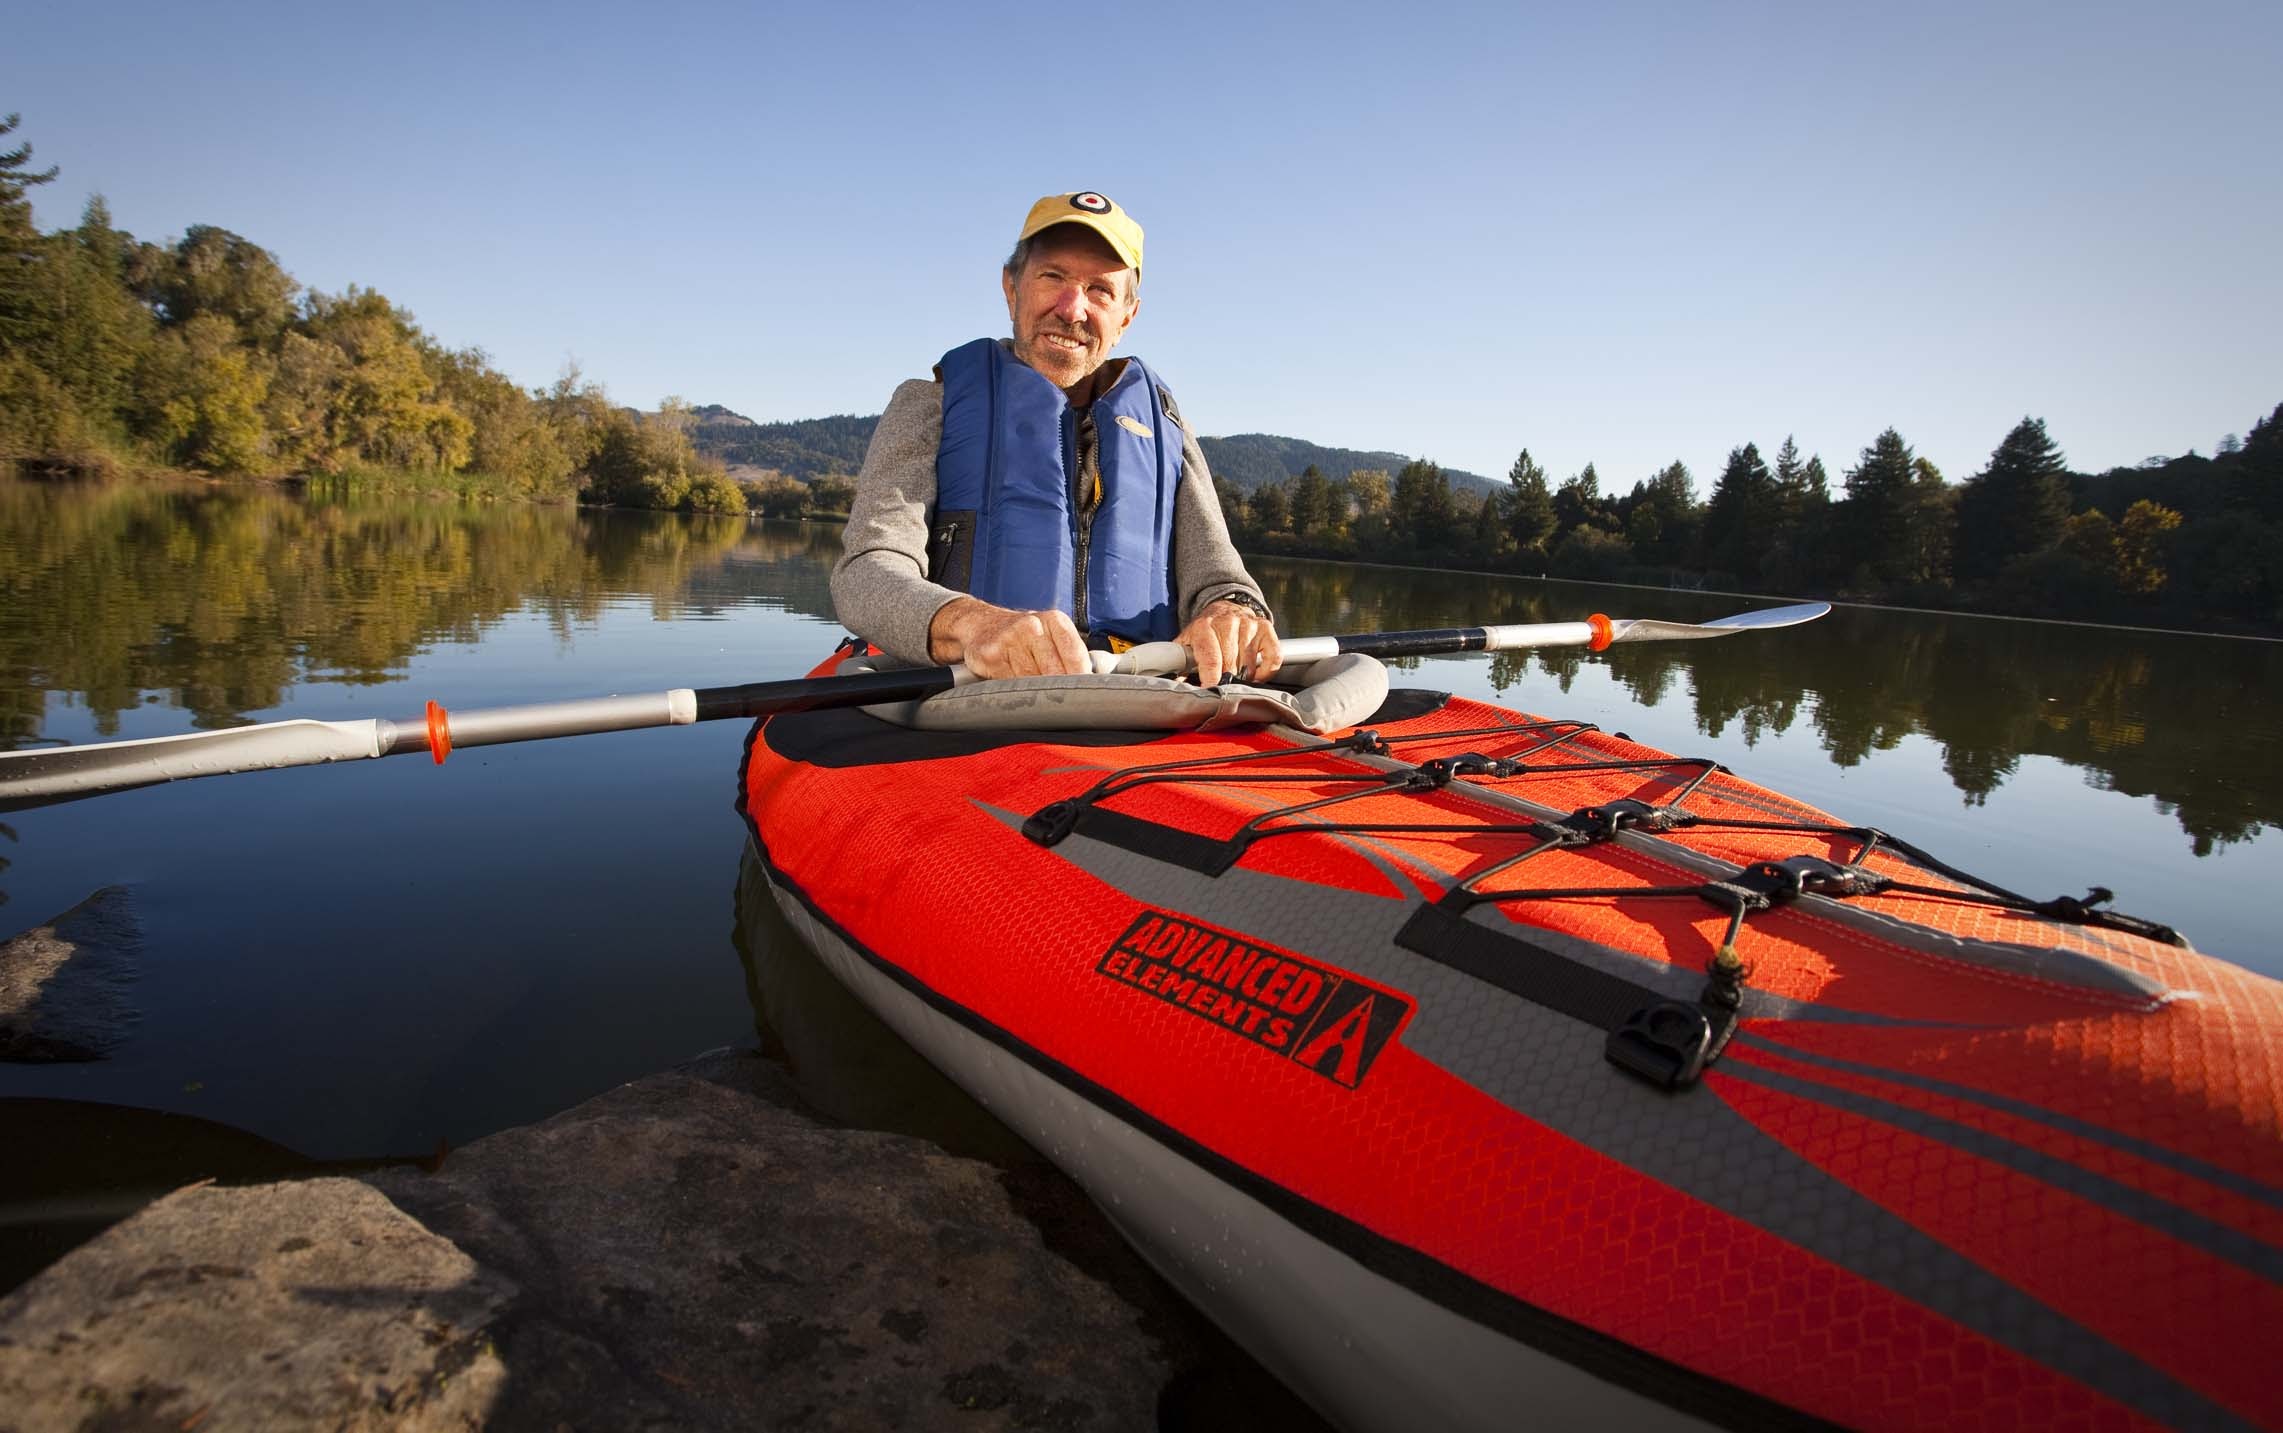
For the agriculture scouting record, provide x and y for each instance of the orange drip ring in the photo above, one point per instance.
(1603, 635)
(439, 733)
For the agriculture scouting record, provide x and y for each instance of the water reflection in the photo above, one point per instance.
(217, 600)
(2141, 713)
(845, 1062)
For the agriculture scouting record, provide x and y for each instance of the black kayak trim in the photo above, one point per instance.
(1603, 1355)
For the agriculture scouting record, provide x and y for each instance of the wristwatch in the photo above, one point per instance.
(1250, 603)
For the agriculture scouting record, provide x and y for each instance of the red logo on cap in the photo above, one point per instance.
(1091, 202)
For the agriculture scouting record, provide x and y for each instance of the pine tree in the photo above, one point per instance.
(1664, 517)
(22, 254)
(1878, 509)
(15, 208)
(1270, 513)
(1932, 528)
(1745, 510)
(2016, 505)
(1578, 503)
(1421, 507)
(1529, 510)
(1232, 500)
(2263, 445)
(1311, 501)
(1818, 484)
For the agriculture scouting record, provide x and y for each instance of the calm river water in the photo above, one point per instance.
(365, 959)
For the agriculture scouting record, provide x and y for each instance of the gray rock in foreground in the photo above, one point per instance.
(687, 1251)
(318, 1304)
(692, 1253)
(63, 985)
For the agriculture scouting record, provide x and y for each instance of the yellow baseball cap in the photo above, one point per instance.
(1096, 212)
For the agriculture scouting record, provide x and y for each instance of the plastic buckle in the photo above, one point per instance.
(1599, 823)
(1666, 1044)
(1365, 741)
(1444, 769)
(1782, 880)
(1052, 822)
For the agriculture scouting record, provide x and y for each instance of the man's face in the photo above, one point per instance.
(1070, 304)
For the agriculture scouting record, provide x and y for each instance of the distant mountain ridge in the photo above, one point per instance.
(811, 448)
(1251, 460)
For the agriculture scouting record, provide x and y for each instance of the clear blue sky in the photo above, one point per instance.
(1622, 233)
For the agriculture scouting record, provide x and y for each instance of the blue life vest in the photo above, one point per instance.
(1006, 527)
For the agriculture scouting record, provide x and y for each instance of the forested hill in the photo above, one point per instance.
(1251, 460)
(809, 449)
(812, 448)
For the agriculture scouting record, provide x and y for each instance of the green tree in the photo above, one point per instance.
(1897, 521)
(515, 438)
(2014, 506)
(1269, 511)
(1590, 553)
(1421, 512)
(203, 393)
(1491, 539)
(1372, 491)
(1232, 500)
(95, 331)
(1312, 502)
(381, 403)
(213, 271)
(1664, 517)
(15, 177)
(2140, 537)
(647, 461)
(1529, 510)
(1747, 508)
(833, 494)
(2263, 445)
(1933, 527)
(20, 247)
(1578, 503)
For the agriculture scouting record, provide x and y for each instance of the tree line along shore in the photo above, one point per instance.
(204, 355)
(2190, 541)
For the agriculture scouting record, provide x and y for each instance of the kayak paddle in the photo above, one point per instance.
(40, 778)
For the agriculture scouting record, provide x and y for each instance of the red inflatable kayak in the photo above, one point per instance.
(1477, 1069)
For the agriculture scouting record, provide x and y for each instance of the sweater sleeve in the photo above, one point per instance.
(1205, 562)
(880, 589)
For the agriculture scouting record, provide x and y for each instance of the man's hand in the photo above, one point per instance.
(1237, 641)
(999, 642)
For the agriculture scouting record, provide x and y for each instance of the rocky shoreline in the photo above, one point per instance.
(692, 1250)
(701, 1248)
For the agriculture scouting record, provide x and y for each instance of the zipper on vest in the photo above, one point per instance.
(1082, 505)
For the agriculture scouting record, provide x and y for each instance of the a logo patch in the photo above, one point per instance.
(1091, 202)
(1134, 425)
(1325, 1019)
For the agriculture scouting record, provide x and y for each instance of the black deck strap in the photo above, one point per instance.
(1522, 967)
(2071, 909)
(2078, 911)
(1664, 1041)
(1175, 847)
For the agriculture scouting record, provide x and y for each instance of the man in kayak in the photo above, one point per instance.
(1037, 495)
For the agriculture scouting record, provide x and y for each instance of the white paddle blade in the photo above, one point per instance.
(36, 778)
(1651, 630)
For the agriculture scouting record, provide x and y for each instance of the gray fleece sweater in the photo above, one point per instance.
(880, 588)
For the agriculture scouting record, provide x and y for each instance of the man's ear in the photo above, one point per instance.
(1007, 287)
